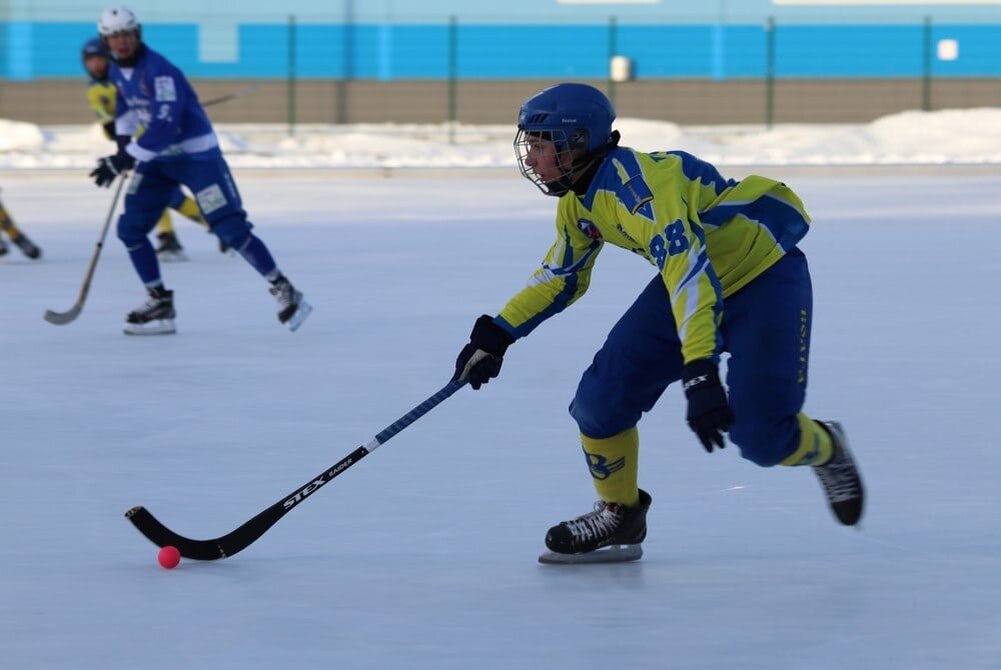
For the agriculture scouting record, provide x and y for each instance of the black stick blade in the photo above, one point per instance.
(161, 536)
(237, 540)
(62, 318)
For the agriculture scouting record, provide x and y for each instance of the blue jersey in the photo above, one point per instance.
(155, 95)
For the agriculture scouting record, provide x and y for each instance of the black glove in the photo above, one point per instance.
(110, 167)
(480, 360)
(709, 414)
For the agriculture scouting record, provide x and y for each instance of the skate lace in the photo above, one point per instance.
(283, 293)
(837, 480)
(600, 523)
(151, 304)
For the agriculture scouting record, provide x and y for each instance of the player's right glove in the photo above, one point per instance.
(110, 167)
(480, 360)
(709, 413)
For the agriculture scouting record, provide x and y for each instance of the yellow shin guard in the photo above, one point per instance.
(815, 446)
(614, 464)
(189, 209)
(164, 224)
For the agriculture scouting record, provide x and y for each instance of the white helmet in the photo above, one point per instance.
(115, 20)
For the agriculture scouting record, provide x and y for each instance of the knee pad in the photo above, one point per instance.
(598, 417)
(130, 231)
(234, 231)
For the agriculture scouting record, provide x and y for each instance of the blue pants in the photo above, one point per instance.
(765, 329)
(177, 199)
(156, 185)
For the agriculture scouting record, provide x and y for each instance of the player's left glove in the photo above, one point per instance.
(109, 167)
(709, 413)
(480, 360)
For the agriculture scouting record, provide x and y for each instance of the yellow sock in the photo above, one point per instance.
(164, 225)
(189, 209)
(7, 224)
(614, 464)
(815, 446)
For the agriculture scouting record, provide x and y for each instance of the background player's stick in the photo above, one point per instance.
(245, 535)
(246, 90)
(61, 318)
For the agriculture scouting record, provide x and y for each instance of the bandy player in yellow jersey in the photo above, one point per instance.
(729, 278)
(17, 236)
(101, 96)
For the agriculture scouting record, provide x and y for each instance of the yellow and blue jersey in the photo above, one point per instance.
(101, 98)
(706, 235)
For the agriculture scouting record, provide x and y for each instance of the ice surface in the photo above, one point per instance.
(424, 555)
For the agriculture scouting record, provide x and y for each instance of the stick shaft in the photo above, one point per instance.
(61, 318)
(239, 539)
(230, 96)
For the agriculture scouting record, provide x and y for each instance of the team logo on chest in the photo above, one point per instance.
(589, 229)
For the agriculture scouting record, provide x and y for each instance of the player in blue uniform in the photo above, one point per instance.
(730, 278)
(101, 98)
(177, 147)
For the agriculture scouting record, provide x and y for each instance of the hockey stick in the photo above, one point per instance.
(62, 318)
(252, 530)
(246, 90)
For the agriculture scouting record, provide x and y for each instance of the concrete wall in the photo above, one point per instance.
(684, 101)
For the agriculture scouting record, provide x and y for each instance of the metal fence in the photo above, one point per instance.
(309, 69)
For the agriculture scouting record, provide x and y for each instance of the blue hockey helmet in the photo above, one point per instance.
(94, 47)
(577, 119)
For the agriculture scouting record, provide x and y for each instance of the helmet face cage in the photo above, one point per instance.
(566, 152)
(576, 119)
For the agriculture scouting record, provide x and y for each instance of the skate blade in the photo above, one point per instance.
(616, 553)
(300, 315)
(159, 327)
(172, 257)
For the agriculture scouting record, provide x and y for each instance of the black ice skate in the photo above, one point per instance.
(155, 316)
(170, 249)
(27, 247)
(292, 309)
(612, 533)
(840, 478)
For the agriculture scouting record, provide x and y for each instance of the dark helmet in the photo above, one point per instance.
(574, 117)
(93, 47)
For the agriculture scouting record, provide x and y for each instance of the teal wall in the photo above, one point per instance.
(32, 50)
